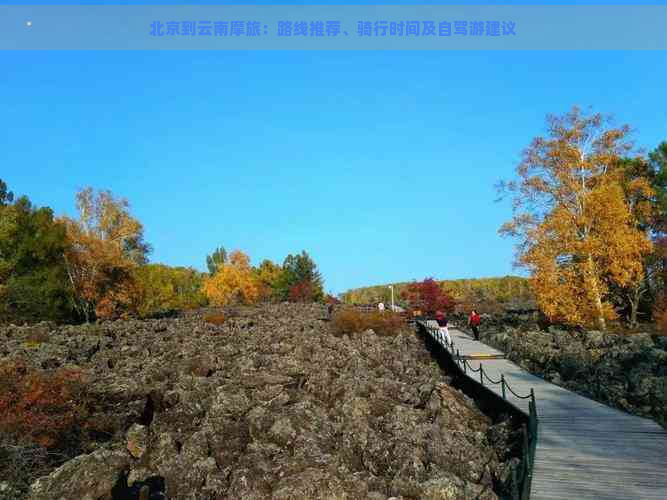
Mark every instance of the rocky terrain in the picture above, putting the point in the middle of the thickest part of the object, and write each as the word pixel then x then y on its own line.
pixel 628 372
pixel 267 405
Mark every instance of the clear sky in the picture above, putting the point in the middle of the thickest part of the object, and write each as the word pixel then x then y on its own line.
pixel 379 164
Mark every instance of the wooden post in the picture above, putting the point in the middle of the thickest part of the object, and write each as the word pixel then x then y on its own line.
pixel 502 384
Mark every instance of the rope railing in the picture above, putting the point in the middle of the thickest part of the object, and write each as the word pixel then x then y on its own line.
pixel 523 473
pixel 491 380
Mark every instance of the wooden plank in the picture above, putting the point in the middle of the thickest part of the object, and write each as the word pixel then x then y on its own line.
pixel 585 450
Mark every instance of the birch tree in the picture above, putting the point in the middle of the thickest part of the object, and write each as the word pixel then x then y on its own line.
pixel 577 235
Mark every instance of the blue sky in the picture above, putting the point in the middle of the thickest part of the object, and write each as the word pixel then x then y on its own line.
pixel 380 164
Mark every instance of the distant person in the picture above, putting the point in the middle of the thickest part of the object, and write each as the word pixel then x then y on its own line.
pixel 381 307
pixel 330 309
pixel 441 319
pixel 473 321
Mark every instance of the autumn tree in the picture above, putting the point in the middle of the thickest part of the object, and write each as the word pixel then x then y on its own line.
pixel 268 275
pixel 577 234
pixel 643 183
pixel 33 280
pixel 233 282
pixel 107 244
pixel 428 296
pixel 301 292
pixel 161 289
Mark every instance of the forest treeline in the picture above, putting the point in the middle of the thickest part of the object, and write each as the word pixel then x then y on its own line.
pixel 590 219
pixel 487 294
pixel 95 266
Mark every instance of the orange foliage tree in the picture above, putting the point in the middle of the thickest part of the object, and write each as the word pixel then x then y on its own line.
pixel 106 246
pixel 578 235
pixel 233 282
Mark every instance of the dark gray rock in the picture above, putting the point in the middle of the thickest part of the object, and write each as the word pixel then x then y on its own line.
pixel 267 405
pixel 624 371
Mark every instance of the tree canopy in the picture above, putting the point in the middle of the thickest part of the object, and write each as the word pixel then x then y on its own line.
pixel 33 279
pixel 577 233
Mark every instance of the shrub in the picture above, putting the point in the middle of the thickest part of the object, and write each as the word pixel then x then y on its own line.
pixel 39 406
pixel 349 321
pixel 215 319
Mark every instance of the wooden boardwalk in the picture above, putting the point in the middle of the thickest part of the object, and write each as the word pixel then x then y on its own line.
pixel 585 450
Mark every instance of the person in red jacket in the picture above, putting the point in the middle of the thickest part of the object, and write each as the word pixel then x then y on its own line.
pixel 473 321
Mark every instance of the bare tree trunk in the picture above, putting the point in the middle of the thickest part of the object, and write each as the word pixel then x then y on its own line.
pixel 634 298
pixel 634 306
pixel 595 292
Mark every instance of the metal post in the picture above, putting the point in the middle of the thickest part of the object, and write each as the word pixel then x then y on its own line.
pixel 502 384
pixel 481 374
pixel 515 486
pixel 526 449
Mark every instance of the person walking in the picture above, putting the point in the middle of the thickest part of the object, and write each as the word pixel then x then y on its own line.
pixel 473 321
pixel 441 319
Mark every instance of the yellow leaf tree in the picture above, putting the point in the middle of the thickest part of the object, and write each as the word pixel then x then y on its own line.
pixel 233 282
pixel 106 245
pixel 161 289
pixel 577 234
pixel 267 274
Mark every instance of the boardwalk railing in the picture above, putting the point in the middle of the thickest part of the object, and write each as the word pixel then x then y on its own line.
pixel 523 473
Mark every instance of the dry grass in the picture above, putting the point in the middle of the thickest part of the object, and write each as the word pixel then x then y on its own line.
pixel 350 321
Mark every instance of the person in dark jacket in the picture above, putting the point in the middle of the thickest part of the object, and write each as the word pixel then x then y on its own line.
pixel 442 324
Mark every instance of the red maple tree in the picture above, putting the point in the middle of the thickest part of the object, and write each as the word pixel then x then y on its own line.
pixel 301 292
pixel 428 296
